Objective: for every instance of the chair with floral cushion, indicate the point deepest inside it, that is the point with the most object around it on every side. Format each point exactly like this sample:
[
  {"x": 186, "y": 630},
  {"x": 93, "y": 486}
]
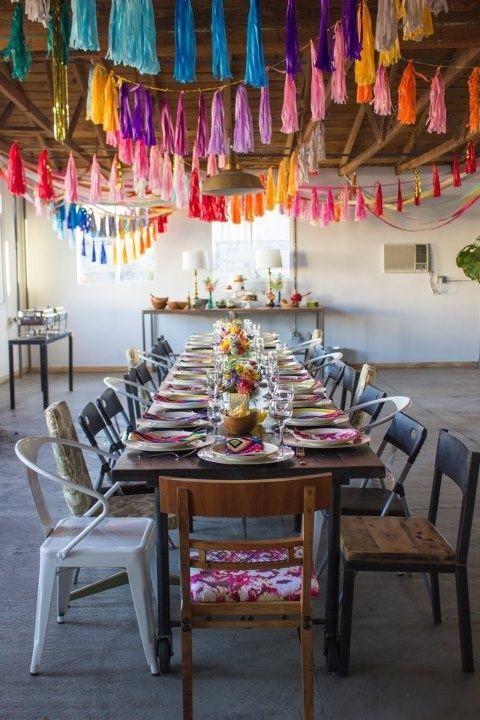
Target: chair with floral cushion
[{"x": 246, "y": 583}]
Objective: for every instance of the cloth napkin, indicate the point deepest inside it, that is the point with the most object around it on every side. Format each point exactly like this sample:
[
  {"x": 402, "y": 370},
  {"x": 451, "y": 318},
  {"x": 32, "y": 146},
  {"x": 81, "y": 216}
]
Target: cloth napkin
[
  {"x": 314, "y": 416},
  {"x": 152, "y": 438},
  {"x": 348, "y": 435},
  {"x": 179, "y": 398},
  {"x": 243, "y": 446},
  {"x": 162, "y": 416}
]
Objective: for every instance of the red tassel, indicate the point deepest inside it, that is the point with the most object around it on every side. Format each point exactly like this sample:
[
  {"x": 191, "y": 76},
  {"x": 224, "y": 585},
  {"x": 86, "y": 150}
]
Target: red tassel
[
  {"x": 378, "y": 204},
  {"x": 437, "y": 190},
  {"x": 16, "y": 172},
  {"x": 399, "y": 197},
  {"x": 417, "y": 199},
  {"x": 471, "y": 163},
  {"x": 220, "y": 208},
  {"x": 45, "y": 187},
  {"x": 194, "y": 208},
  {"x": 207, "y": 208},
  {"x": 457, "y": 180}
]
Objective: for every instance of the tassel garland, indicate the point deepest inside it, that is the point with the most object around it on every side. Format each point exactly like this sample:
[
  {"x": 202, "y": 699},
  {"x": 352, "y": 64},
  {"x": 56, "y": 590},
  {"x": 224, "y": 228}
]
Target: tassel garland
[
  {"x": 243, "y": 131},
  {"x": 255, "y": 71},
  {"x": 437, "y": 114},
  {"x": 437, "y": 190},
  {"x": 339, "y": 86},
  {"x": 289, "y": 107},
  {"x": 220, "y": 59},
  {"x": 317, "y": 89},
  {"x": 265, "y": 116}
]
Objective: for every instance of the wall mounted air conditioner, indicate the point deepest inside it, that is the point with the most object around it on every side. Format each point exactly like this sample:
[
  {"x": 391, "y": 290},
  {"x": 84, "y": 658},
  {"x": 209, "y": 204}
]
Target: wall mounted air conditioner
[{"x": 406, "y": 258}]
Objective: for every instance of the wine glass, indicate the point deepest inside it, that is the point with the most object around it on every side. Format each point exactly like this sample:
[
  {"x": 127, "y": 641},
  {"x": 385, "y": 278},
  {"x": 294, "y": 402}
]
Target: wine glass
[
  {"x": 281, "y": 409},
  {"x": 273, "y": 379},
  {"x": 212, "y": 382},
  {"x": 216, "y": 412}
]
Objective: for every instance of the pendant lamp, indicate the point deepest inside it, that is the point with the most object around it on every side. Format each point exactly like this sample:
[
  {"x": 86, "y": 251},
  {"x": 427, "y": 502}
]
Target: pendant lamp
[{"x": 232, "y": 180}]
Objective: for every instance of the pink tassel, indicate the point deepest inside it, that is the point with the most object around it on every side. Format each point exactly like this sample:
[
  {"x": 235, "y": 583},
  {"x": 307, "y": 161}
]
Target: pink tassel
[
  {"x": 339, "y": 86},
  {"x": 344, "y": 206},
  {"x": 212, "y": 168},
  {"x": 112, "y": 137},
  {"x": 179, "y": 182},
  {"x": 378, "y": 203},
  {"x": 181, "y": 135},
  {"x": 114, "y": 191},
  {"x": 437, "y": 114},
  {"x": 360, "y": 211},
  {"x": 314, "y": 207},
  {"x": 166, "y": 123},
  {"x": 330, "y": 207},
  {"x": 140, "y": 168},
  {"x": 155, "y": 170},
  {"x": 195, "y": 158},
  {"x": 125, "y": 151},
  {"x": 95, "y": 195},
  {"x": 71, "y": 182},
  {"x": 167, "y": 179},
  {"x": 317, "y": 89},
  {"x": 222, "y": 159},
  {"x": 289, "y": 108},
  {"x": 382, "y": 101},
  {"x": 295, "y": 210},
  {"x": 324, "y": 221}
]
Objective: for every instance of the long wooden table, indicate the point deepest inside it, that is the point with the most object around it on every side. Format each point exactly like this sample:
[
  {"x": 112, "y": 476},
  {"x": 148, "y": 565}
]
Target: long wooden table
[{"x": 344, "y": 465}]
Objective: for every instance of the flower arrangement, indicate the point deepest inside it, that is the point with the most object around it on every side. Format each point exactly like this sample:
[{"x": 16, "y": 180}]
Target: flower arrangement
[
  {"x": 210, "y": 284},
  {"x": 234, "y": 339},
  {"x": 241, "y": 377}
]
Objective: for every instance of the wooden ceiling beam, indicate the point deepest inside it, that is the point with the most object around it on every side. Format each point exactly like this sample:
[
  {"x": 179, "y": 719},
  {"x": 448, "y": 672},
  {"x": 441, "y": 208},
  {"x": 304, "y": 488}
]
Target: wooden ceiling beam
[
  {"x": 357, "y": 124},
  {"x": 76, "y": 115},
  {"x": 465, "y": 59},
  {"x": 9, "y": 108}
]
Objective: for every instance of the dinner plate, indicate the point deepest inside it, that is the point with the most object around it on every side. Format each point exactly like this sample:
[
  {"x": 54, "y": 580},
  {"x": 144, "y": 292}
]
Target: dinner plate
[
  {"x": 193, "y": 363},
  {"x": 181, "y": 403},
  {"x": 311, "y": 401},
  {"x": 190, "y": 373},
  {"x": 206, "y": 454},
  {"x": 299, "y": 388},
  {"x": 315, "y": 417},
  {"x": 334, "y": 438},
  {"x": 146, "y": 446},
  {"x": 174, "y": 419},
  {"x": 268, "y": 449}
]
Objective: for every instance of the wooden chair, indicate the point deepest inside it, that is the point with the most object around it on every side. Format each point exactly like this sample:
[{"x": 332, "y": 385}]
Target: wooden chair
[
  {"x": 212, "y": 595},
  {"x": 415, "y": 545}
]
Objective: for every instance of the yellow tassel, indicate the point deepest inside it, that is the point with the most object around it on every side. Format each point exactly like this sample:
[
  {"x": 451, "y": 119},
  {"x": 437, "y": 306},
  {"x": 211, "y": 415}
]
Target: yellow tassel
[
  {"x": 292, "y": 175},
  {"x": 282, "y": 182},
  {"x": 146, "y": 238},
  {"x": 124, "y": 253},
  {"x": 390, "y": 57},
  {"x": 141, "y": 244},
  {"x": 270, "y": 190},
  {"x": 134, "y": 247},
  {"x": 114, "y": 253},
  {"x": 110, "y": 106},
  {"x": 152, "y": 230},
  {"x": 365, "y": 67},
  {"x": 99, "y": 80}
]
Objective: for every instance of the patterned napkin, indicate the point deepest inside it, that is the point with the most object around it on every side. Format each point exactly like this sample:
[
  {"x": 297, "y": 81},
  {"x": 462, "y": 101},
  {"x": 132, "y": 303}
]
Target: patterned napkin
[
  {"x": 152, "y": 438},
  {"x": 179, "y": 398},
  {"x": 164, "y": 417},
  {"x": 243, "y": 446},
  {"x": 325, "y": 414},
  {"x": 346, "y": 435}
]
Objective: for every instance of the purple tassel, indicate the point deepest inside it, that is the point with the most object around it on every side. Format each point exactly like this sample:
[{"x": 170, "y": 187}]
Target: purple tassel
[
  {"x": 167, "y": 144},
  {"x": 324, "y": 59},
  {"x": 137, "y": 116},
  {"x": 265, "y": 116},
  {"x": 292, "y": 56},
  {"x": 125, "y": 112},
  {"x": 218, "y": 140},
  {"x": 149, "y": 129},
  {"x": 181, "y": 138},
  {"x": 243, "y": 132},
  {"x": 353, "y": 44},
  {"x": 202, "y": 128}
]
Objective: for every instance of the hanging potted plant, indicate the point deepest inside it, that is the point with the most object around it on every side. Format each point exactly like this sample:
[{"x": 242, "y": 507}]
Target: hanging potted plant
[{"x": 468, "y": 259}]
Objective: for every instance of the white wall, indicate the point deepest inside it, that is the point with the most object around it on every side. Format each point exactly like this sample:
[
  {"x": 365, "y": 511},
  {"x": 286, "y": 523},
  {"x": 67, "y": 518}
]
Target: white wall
[{"x": 378, "y": 317}]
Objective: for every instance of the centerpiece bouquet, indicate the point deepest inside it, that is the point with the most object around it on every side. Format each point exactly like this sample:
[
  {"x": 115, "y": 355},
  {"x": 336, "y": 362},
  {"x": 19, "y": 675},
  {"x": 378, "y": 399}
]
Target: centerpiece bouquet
[
  {"x": 234, "y": 340},
  {"x": 241, "y": 376}
]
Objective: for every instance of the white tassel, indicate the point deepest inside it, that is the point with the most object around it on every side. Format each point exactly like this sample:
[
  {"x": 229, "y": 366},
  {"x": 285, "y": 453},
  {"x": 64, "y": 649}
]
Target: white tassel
[
  {"x": 437, "y": 6},
  {"x": 413, "y": 21},
  {"x": 37, "y": 10},
  {"x": 386, "y": 31},
  {"x": 316, "y": 148},
  {"x": 302, "y": 165}
]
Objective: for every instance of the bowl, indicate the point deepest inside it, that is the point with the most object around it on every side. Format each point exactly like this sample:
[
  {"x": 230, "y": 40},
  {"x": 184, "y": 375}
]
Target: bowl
[
  {"x": 240, "y": 425},
  {"x": 200, "y": 303},
  {"x": 221, "y": 304},
  {"x": 158, "y": 303},
  {"x": 177, "y": 304}
]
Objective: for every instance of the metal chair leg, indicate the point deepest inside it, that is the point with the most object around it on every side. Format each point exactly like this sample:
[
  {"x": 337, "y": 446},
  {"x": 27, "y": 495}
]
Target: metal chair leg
[
  {"x": 435, "y": 598},
  {"x": 464, "y": 622},
  {"x": 346, "y": 621}
]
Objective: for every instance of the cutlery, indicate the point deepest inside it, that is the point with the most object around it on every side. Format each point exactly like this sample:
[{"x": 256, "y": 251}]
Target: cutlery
[{"x": 300, "y": 455}]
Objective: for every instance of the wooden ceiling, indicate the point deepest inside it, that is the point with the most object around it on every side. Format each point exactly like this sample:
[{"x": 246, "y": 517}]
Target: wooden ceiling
[{"x": 354, "y": 135}]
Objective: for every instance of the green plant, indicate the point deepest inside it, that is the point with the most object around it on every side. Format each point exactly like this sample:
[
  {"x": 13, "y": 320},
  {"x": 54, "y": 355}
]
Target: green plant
[{"x": 468, "y": 259}]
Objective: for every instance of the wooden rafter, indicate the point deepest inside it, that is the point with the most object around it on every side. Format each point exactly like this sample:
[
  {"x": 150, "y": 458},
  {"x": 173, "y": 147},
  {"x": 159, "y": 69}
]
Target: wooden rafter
[
  {"x": 76, "y": 115},
  {"x": 357, "y": 124},
  {"x": 9, "y": 108},
  {"x": 465, "y": 59}
]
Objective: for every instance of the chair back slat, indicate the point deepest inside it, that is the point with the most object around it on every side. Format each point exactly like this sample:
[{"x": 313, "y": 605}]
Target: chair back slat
[
  {"x": 245, "y": 498},
  {"x": 143, "y": 375},
  {"x": 407, "y": 435},
  {"x": 349, "y": 385}
]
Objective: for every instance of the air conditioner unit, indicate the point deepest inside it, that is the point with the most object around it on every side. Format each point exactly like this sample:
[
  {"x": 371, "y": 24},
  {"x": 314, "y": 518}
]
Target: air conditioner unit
[{"x": 406, "y": 258}]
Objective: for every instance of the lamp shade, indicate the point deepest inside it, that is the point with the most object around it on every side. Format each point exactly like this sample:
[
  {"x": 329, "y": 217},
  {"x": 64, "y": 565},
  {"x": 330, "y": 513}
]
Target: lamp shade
[
  {"x": 232, "y": 181},
  {"x": 194, "y": 260},
  {"x": 268, "y": 258}
]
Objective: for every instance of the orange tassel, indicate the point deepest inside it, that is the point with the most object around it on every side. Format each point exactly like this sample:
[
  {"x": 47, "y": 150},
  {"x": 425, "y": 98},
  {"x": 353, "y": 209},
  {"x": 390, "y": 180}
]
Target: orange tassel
[
  {"x": 146, "y": 238},
  {"x": 259, "y": 204},
  {"x": 124, "y": 253},
  {"x": 152, "y": 231},
  {"x": 407, "y": 102},
  {"x": 114, "y": 253},
  {"x": 338, "y": 212},
  {"x": 282, "y": 182},
  {"x": 270, "y": 190},
  {"x": 141, "y": 244},
  {"x": 364, "y": 94},
  {"x": 474, "y": 100},
  {"x": 236, "y": 210},
  {"x": 249, "y": 208}
]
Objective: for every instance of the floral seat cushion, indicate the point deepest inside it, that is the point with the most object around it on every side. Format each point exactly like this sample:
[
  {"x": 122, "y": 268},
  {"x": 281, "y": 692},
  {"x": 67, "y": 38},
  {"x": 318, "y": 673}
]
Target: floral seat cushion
[{"x": 254, "y": 585}]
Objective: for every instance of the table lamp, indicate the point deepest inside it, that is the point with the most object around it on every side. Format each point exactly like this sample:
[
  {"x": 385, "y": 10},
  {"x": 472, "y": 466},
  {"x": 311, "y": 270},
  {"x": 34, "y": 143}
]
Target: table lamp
[
  {"x": 194, "y": 260},
  {"x": 266, "y": 260}
]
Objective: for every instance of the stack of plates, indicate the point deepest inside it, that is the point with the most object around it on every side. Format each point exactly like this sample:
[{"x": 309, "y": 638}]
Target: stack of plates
[
  {"x": 316, "y": 417},
  {"x": 174, "y": 419},
  {"x": 180, "y": 440},
  {"x": 326, "y": 438},
  {"x": 270, "y": 454}
]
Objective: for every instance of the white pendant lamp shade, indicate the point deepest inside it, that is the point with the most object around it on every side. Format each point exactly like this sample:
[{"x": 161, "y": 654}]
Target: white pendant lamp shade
[
  {"x": 194, "y": 260},
  {"x": 268, "y": 258}
]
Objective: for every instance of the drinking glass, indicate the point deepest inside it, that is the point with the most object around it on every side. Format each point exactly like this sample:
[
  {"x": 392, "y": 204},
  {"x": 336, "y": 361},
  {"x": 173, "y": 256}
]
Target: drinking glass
[
  {"x": 281, "y": 409},
  {"x": 212, "y": 382},
  {"x": 273, "y": 379},
  {"x": 216, "y": 412}
]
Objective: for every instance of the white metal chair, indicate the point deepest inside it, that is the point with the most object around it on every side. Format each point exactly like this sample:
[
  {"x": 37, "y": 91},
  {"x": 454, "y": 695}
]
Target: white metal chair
[
  {"x": 86, "y": 541},
  {"x": 400, "y": 401},
  {"x": 144, "y": 396},
  {"x": 319, "y": 363}
]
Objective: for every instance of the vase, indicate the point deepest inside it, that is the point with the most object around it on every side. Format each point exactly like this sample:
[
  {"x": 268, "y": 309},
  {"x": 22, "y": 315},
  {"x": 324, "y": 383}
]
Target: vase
[
  {"x": 210, "y": 301},
  {"x": 239, "y": 419}
]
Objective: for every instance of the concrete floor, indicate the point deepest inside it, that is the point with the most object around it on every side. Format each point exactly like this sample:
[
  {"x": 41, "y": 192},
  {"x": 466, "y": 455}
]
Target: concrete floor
[{"x": 94, "y": 668}]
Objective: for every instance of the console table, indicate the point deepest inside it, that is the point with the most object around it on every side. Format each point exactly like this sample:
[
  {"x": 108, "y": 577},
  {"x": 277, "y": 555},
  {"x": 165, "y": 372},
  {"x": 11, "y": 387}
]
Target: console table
[
  {"x": 43, "y": 341},
  {"x": 232, "y": 313}
]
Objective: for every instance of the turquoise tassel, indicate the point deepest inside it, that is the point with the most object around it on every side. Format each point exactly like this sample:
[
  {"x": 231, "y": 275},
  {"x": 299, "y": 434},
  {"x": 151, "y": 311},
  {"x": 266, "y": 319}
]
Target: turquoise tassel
[
  {"x": 255, "y": 72},
  {"x": 17, "y": 50},
  {"x": 185, "y": 46},
  {"x": 220, "y": 60},
  {"x": 84, "y": 33},
  {"x": 132, "y": 36}
]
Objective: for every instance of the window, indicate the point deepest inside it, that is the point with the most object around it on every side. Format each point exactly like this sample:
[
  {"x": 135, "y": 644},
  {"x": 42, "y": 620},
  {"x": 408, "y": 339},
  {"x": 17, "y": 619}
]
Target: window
[{"x": 234, "y": 247}]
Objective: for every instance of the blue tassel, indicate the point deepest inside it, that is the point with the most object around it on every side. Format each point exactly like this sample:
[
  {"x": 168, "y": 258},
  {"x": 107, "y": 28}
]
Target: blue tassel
[
  {"x": 132, "y": 36},
  {"x": 185, "y": 46},
  {"x": 220, "y": 61},
  {"x": 255, "y": 72},
  {"x": 84, "y": 32},
  {"x": 94, "y": 252},
  {"x": 72, "y": 217},
  {"x": 103, "y": 255},
  {"x": 84, "y": 248}
]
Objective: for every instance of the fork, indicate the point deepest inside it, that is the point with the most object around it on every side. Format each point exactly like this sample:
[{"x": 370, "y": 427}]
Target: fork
[
  {"x": 169, "y": 452},
  {"x": 300, "y": 454}
]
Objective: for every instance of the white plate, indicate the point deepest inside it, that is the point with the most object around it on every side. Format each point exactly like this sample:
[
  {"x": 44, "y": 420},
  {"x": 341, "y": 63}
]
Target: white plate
[
  {"x": 170, "y": 424},
  {"x": 159, "y": 406},
  {"x": 268, "y": 449},
  {"x": 313, "y": 417},
  {"x": 188, "y": 373},
  {"x": 327, "y": 445},
  {"x": 298, "y": 388},
  {"x": 193, "y": 363},
  {"x": 206, "y": 454},
  {"x": 145, "y": 446}
]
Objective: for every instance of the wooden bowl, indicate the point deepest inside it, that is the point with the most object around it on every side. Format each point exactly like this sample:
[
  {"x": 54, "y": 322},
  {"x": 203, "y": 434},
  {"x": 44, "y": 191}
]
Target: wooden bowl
[
  {"x": 177, "y": 304},
  {"x": 158, "y": 303},
  {"x": 240, "y": 425}
]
